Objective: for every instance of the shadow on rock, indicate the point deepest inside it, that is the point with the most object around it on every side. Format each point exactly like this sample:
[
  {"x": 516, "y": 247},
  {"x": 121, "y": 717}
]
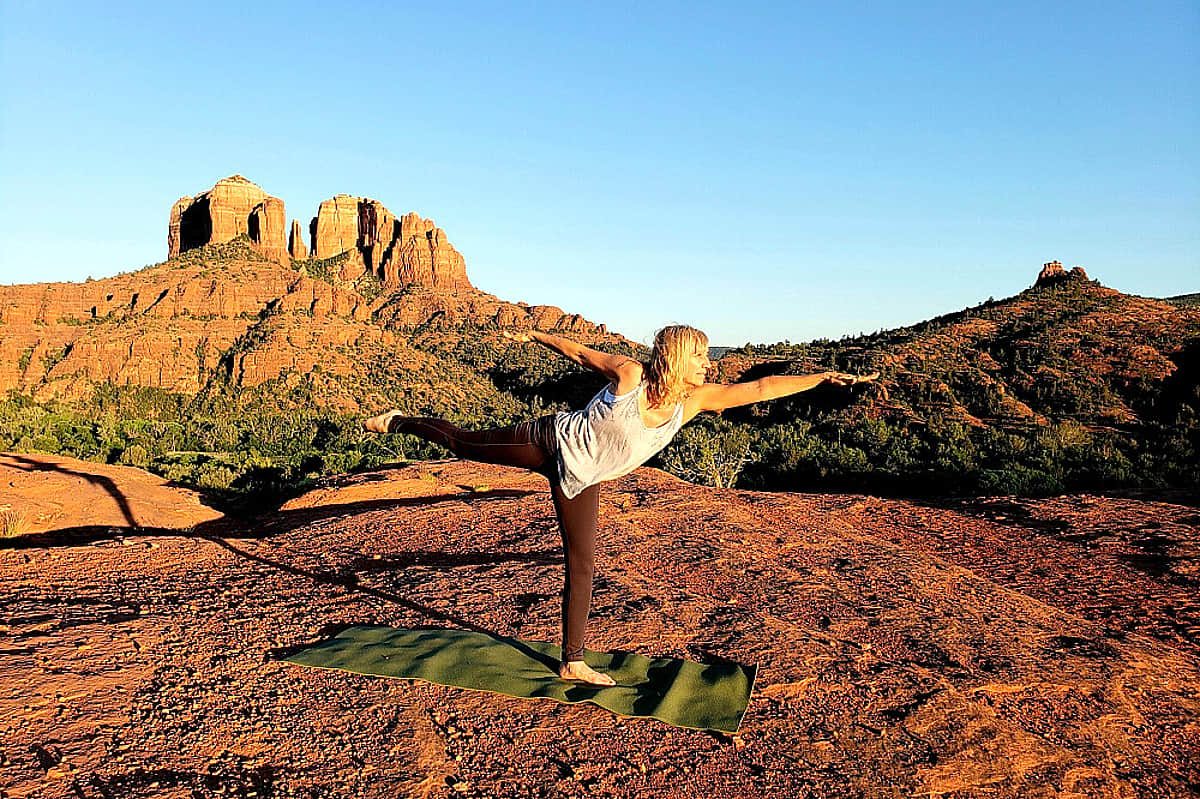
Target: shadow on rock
[{"x": 269, "y": 524}]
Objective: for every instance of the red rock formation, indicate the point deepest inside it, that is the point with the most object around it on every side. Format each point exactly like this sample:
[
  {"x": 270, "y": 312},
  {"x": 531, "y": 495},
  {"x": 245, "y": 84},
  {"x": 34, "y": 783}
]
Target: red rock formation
[
  {"x": 399, "y": 251},
  {"x": 443, "y": 310},
  {"x": 376, "y": 234},
  {"x": 233, "y": 207},
  {"x": 267, "y": 224},
  {"x": 169, "y": 327},
  {"x": 426, "y": 257},
  {"x": 319, "y": 299},
  {"x": 174, "y": 244},
  {"x": 175, "y": 326},
  {"x": 1053, "y": 273},
  {"x": 296, "y": 246},
  {"x": 1050, "y": 271},
  {"x": 336, "y": 226},
  {"x": 231, "y": 203}
]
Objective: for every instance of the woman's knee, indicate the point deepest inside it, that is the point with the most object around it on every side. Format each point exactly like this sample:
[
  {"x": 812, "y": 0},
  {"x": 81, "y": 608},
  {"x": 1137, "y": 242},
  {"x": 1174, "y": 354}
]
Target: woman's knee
[{"x": 581, "y": 570}]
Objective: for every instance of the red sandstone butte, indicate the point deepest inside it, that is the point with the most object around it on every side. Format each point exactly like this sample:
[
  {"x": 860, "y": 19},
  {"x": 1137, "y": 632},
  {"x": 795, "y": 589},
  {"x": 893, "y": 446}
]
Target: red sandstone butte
[
  {"x": 233, "y": 207},
  {"x": 1052, "y": 272},
  {"x": 399, "y": 251}
]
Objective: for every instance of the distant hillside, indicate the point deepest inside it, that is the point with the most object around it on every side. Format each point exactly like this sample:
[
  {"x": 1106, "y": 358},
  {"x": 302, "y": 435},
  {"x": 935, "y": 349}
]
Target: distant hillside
[
  {"x": 1066, "y": 385},
  {"x": 1184, "y": 300},
  {"x": 224, "y": 316}
]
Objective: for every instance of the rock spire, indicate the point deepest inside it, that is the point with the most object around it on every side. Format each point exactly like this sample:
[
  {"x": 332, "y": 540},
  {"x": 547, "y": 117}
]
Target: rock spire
[{"x": 397, "y": 250}]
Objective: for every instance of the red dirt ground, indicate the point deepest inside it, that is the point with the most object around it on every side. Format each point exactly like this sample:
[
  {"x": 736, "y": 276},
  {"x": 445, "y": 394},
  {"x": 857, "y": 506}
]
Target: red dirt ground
[{"x": 993, "y": 647}]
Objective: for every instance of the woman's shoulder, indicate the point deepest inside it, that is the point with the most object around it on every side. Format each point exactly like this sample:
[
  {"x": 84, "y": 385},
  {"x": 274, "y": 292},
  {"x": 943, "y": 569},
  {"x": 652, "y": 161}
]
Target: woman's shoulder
[
  {"x": 630, "y": 377},
  {"x": 613, "y": 397}
]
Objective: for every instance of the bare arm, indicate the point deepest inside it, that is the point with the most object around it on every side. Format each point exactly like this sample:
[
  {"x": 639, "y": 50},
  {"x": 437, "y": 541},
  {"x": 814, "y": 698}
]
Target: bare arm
[
  {"x": 622, "y": 371},
  {"x": 715, "y": 397}
]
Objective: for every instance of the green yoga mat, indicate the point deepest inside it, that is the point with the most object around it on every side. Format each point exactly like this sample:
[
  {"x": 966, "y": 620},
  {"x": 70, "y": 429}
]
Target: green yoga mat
[{"x": 686, "y": 694}]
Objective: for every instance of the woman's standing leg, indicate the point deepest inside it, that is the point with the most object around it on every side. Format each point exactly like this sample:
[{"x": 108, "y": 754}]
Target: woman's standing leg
[{"x": 578, "y": 521}]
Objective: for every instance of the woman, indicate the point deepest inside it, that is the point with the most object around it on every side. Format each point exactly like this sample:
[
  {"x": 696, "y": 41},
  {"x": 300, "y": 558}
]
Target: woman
[{"x": 630, "y": 420}]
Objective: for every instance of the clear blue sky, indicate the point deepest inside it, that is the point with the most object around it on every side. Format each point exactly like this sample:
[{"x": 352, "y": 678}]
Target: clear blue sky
[{"x": 765, "y": 171}]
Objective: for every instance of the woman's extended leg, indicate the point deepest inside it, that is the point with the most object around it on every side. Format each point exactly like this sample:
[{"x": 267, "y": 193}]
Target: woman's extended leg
[
  {"x": 526, "y": 444},
  {"x": 577, "y": 520}
]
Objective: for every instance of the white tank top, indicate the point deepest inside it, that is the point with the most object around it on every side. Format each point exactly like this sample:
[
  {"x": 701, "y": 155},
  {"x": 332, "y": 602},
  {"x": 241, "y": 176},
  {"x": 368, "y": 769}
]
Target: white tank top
[{"x": 608, "y": 439}]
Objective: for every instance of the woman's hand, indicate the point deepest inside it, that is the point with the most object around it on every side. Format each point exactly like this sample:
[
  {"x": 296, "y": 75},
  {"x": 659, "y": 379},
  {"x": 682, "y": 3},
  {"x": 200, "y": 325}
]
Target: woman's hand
[
  {"x": 843, "y": 379},
  {"x": 520, "y": 338}
]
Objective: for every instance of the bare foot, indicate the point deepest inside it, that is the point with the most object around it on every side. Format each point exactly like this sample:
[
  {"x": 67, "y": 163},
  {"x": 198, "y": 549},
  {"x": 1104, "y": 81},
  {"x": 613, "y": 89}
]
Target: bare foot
[
  {"x": 380, "y": 423},
  {"x": 578, "y": 670}
]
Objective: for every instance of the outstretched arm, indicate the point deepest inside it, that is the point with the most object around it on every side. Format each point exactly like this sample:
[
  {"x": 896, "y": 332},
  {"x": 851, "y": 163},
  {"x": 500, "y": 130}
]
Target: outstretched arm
[
  {"x": 622, "y": 371},
  {"x": 715, "y": 397}
]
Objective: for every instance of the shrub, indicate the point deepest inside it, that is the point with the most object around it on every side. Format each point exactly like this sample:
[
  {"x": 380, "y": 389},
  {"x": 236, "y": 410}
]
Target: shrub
[
  {"x": 135, "y": 455},
  {"x": 12, "y": 522},
  {"x": 213, "y": 476},
  {"x": 708, "y": 453},
  {"x": 1019, "y": 480}
]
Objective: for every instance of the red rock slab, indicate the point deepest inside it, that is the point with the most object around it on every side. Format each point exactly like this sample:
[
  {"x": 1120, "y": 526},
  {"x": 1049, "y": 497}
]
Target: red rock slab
[
  {"x": 53, "y": 492},
  {"x": 149, "y": 666}
]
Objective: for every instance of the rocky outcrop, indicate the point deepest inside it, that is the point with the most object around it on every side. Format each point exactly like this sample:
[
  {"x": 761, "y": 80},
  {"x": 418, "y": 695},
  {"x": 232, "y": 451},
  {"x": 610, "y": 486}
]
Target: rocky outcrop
[
  {"x": 169, "y": 294},
  {"x": 425, "y": 256},
  {"x": 268, "y": 224},
  {"x": 296, "y": 349},
  {"x": 170, "y": 327},
  {"x": 52, "y": 490},
  {"x": 1050, "y": 272},
  {"x": 1053, "y": 273},
  {"x": 175, "y": 325},
  {"x": 399, "y": 251},
  {"x": 427, "y": 309},
  {"x": 233, "y": 207},
  {"x": 335, "y": 227},
  {"x": 296, "y": 246},
  {"x": 376, "y": 234},
  {"x": 174, "y": 227},
  {"x": 318, "y": 299}
]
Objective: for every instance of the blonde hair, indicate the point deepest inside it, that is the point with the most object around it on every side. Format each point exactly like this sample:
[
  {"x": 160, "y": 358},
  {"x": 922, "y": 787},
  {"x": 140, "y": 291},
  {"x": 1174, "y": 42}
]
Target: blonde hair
[{"x": 664, "y": 383}]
